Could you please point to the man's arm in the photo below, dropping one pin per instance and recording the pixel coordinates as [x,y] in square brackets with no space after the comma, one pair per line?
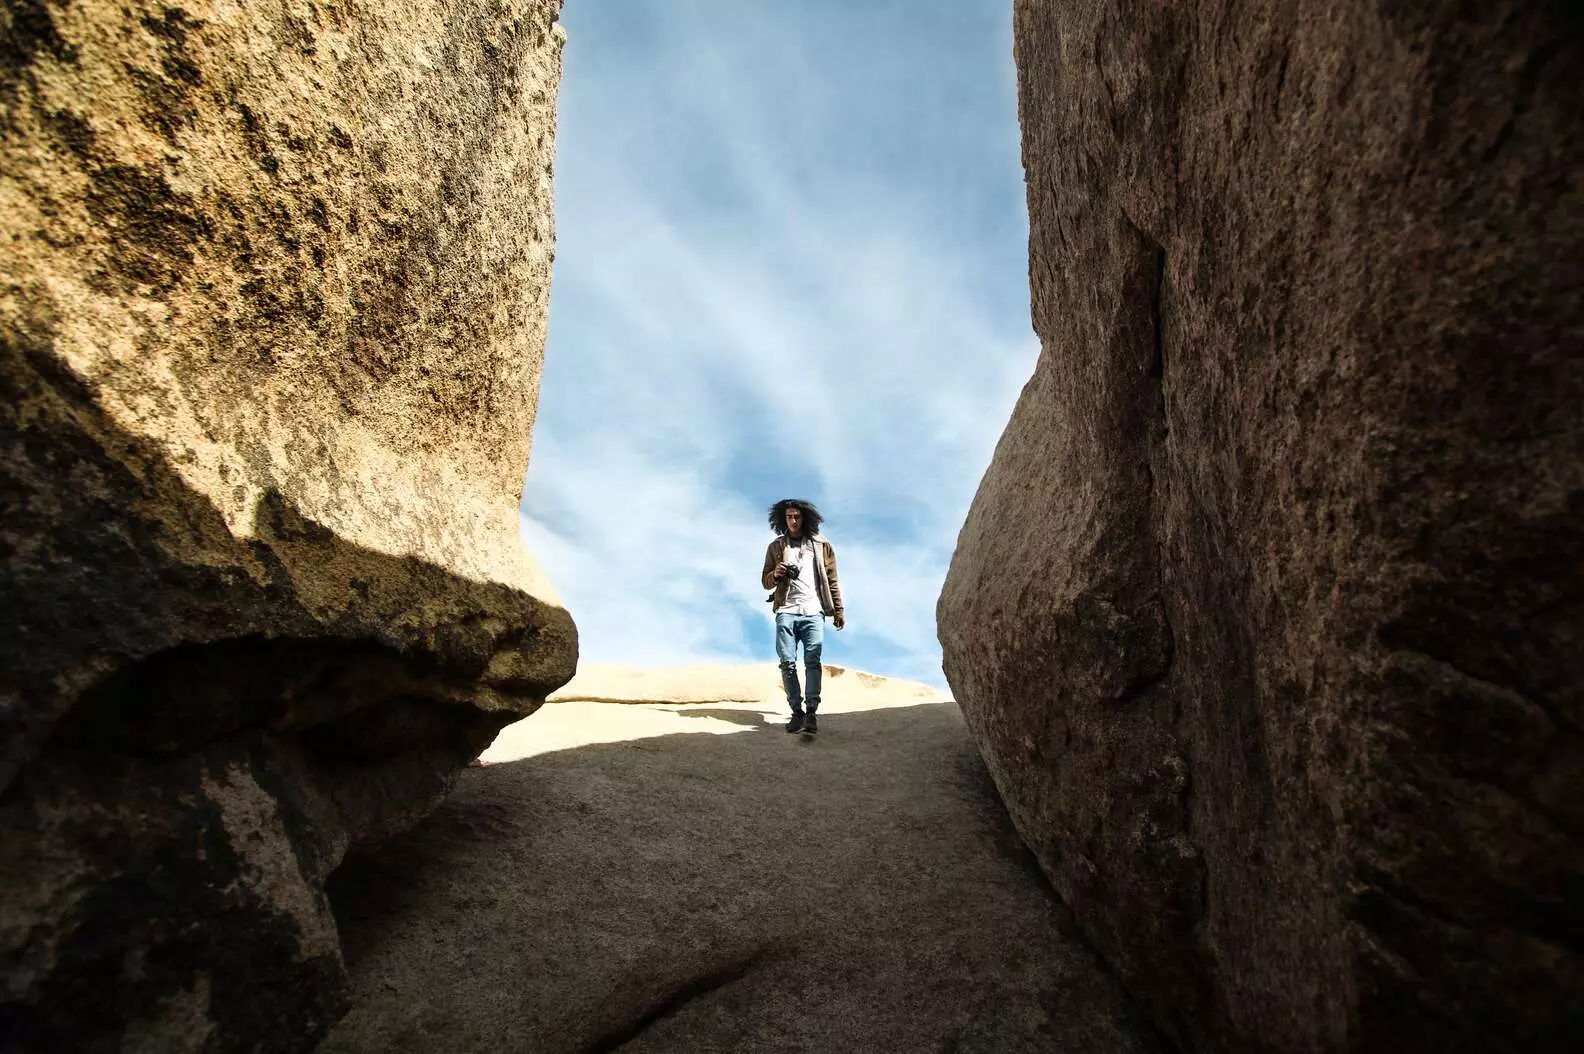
[767,578]
[835,586]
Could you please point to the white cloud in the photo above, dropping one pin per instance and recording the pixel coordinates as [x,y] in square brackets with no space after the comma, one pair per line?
[650,560]
[791,259]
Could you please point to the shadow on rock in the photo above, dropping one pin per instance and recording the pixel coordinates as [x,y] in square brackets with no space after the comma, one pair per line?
[746,718]
[198,726]
[722,892]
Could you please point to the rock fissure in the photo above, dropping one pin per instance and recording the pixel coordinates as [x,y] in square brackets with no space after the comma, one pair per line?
[1395,640]
[676,1000]
[1525,919]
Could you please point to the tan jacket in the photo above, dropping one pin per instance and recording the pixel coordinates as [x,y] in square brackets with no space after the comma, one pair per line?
[825,582]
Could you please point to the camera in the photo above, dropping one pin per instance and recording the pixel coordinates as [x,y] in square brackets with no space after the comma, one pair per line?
[791,571]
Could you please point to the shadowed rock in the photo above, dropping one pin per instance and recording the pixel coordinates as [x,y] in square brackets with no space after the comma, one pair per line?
[741,891]
[270,332]
[1267,614]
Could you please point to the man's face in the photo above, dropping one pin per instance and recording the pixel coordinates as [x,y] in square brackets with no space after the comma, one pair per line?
[794,518]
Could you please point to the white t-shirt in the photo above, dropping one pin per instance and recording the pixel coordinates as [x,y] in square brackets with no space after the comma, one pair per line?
[802,591]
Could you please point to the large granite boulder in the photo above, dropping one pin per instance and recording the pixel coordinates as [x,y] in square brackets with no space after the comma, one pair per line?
[271,323]
[1267,614]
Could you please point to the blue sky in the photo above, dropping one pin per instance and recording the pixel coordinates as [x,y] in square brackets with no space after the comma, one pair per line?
[791,262]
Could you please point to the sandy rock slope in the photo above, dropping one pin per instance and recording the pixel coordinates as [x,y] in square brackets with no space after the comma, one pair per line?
[713,884]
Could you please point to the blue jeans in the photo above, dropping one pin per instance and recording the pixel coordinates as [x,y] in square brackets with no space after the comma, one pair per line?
[809,630]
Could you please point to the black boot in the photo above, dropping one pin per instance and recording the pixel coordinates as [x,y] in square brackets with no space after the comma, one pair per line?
[796,724]
[810,724]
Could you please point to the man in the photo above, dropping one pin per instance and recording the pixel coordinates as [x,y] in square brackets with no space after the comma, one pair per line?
[800,570]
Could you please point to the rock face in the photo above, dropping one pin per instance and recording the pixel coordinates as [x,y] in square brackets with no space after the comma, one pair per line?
[1267,614]
[271,325]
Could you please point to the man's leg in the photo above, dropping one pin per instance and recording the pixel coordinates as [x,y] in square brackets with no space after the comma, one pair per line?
[786,653]
[811,631]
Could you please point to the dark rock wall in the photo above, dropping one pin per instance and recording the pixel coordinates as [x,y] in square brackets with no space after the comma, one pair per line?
[272,313]
[1267,614]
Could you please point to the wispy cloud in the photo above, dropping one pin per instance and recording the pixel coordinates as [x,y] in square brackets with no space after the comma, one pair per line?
[791,245]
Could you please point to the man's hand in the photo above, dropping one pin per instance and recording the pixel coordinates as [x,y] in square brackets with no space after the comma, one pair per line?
[780,572]
[841,621]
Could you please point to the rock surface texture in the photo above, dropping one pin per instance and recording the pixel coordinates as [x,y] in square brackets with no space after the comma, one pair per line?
[271,322]
[696,893]
[1267,614]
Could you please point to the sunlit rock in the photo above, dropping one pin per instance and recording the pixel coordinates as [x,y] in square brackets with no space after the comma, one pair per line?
[606,682]
[719,698]
[271,328]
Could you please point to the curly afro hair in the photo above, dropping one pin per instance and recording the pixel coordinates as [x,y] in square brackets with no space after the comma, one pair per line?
[811,516]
